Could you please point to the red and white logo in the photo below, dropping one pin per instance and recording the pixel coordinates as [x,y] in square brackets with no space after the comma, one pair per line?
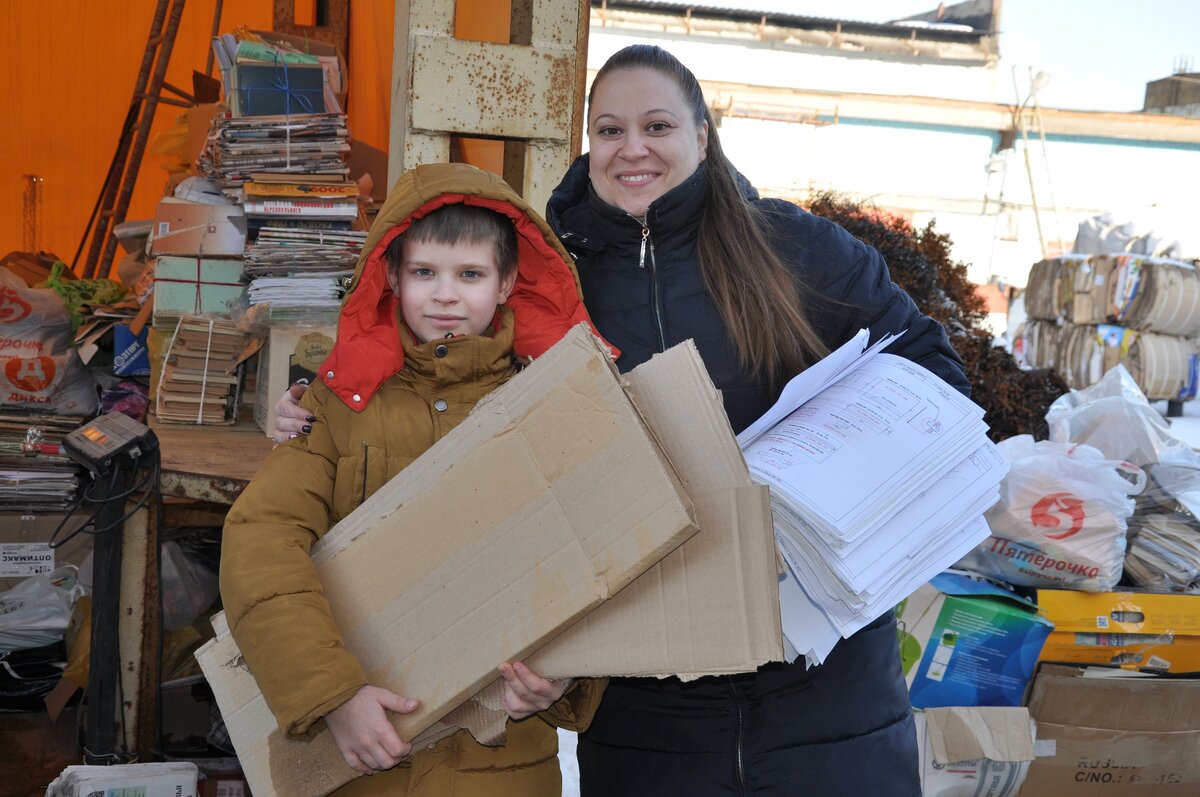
[1059,511]
[31,375]
[12,307]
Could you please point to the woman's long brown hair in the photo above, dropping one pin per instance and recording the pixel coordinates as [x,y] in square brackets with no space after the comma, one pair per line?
[758,298]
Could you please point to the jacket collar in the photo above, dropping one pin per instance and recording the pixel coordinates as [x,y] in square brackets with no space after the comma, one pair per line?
[449,361]
[585,222]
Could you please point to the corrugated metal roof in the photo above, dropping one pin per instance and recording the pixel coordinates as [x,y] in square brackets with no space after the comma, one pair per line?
[792,20]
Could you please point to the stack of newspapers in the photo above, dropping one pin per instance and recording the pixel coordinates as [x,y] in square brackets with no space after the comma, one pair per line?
[880,473]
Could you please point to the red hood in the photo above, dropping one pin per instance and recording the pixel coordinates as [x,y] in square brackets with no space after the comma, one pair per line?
[545,301]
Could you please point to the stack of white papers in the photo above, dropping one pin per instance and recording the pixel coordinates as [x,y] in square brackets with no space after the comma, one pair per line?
[880,474]
[316,290]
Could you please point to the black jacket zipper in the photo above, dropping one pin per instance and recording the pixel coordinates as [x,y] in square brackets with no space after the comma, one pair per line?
[739,763]
[655,295]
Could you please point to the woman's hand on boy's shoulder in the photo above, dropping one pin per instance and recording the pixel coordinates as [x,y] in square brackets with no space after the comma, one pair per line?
[363,733]
[291,420]
[526,693]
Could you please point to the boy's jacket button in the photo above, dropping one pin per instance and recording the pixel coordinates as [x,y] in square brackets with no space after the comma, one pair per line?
[440,405]
[440,350]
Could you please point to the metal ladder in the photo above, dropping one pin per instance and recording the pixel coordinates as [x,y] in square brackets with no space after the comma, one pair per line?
[113,201]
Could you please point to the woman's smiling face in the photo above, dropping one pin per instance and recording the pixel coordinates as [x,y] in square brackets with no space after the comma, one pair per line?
[642,137]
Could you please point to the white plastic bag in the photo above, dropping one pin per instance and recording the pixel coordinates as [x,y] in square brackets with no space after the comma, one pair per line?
[36,611]
[1114,416]
[1061,518]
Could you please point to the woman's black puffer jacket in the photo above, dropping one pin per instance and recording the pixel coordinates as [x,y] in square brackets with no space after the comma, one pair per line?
[843,728]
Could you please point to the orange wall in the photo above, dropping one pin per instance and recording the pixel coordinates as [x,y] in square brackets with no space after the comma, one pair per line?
[68,76]
[68,72]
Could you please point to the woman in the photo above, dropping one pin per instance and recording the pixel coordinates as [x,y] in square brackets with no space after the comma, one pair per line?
[672,243]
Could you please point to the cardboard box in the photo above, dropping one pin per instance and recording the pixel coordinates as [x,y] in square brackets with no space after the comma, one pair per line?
[571,498]
[25,544]
[290,353]
[197,229]
[965,642]
[1135,630]
[192,286]
[224,785]
[131,354]
[1114,736]
[972,750]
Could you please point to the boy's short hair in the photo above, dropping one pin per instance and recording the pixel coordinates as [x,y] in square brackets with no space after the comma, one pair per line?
[454,224]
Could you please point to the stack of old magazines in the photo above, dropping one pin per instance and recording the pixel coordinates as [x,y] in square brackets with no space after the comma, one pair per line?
[201,376]
[305,144]
[35,474]
[303,249]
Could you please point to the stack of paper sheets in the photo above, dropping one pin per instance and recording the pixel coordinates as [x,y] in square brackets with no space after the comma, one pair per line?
[318,290]
[880,474]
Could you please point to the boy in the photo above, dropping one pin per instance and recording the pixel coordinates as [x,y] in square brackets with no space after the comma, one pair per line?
[457,276]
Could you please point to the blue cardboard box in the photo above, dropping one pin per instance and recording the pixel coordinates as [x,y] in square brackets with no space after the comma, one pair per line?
[965,642]
[131,356]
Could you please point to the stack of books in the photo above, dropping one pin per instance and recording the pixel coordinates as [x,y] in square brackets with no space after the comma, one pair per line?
[880,474]
[201,375]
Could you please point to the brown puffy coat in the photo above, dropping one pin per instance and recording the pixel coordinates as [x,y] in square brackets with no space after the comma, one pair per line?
[272,597]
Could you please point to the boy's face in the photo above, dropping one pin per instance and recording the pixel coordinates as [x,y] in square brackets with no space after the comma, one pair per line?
[449,288]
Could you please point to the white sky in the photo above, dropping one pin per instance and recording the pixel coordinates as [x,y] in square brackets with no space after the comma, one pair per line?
[1100,53]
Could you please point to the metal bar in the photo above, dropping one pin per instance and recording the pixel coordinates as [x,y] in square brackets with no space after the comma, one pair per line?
[178,92]
[105,653]
[216,30]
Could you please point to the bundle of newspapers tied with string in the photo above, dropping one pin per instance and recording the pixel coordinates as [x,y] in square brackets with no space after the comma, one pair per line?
[283,112]
[307,144]
[880,473]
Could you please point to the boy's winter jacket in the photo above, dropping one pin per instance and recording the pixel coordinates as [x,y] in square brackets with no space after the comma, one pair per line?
[841,728]
[383,399]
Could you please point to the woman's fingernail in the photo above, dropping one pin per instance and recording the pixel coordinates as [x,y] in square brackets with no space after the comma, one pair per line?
[293,436]
[306,428]
[310,418]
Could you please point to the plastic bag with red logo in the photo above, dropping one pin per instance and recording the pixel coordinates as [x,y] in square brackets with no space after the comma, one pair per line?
[39,367]
[1061,518]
